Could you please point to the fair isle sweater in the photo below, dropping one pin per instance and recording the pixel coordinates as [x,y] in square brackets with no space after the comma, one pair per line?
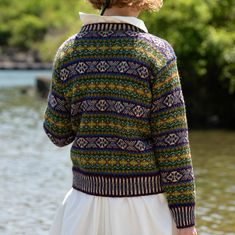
[116,95]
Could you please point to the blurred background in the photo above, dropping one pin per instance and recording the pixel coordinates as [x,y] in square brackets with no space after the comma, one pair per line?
[35,175]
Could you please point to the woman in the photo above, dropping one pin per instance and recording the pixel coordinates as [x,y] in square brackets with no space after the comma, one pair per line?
[116,96]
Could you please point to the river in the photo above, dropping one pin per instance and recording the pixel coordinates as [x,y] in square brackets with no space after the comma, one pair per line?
[13,78]
[35,174]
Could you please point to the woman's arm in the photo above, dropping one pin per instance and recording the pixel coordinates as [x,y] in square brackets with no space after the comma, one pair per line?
[57,118]
[171,144]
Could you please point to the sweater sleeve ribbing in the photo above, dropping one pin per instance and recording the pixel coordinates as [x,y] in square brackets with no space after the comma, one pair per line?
[57,118]
[169,130]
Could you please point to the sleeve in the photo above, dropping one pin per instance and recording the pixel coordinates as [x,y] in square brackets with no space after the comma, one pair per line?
[169,130]
[57,118]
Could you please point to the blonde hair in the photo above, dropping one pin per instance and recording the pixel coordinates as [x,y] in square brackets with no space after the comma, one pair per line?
[148,5]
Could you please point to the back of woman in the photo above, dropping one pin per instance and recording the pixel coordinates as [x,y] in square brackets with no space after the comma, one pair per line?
[116,96]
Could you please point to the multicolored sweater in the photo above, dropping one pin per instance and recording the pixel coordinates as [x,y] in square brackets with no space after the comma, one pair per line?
[116,96]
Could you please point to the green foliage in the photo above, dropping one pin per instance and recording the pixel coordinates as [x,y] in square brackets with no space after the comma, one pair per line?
[38,24]
[5,35]
[26,31]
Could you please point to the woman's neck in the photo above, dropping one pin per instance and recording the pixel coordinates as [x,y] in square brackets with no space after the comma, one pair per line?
[125,11]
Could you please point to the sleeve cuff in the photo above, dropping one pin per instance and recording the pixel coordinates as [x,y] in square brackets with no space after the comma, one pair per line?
[184,216]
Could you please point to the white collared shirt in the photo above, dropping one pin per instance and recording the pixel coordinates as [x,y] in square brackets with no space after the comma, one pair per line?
[95,18]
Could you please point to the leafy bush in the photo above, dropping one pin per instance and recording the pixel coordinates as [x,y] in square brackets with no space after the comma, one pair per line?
[26,31]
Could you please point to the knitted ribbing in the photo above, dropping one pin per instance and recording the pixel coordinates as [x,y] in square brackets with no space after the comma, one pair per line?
[116,96]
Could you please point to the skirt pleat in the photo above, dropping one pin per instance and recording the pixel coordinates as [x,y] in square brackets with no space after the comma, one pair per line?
[84,214]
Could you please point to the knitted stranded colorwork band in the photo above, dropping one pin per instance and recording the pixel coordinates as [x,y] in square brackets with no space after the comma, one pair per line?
[116,96]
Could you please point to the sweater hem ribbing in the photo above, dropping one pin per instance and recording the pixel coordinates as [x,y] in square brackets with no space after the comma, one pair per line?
[117,185]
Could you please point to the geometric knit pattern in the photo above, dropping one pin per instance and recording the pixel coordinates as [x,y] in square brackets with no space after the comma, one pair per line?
[116,97]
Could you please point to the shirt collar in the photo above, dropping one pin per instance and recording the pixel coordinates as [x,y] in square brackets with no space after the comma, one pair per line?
[95,18]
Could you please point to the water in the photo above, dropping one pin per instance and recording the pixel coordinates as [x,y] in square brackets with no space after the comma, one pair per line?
[36,175]
[12,78]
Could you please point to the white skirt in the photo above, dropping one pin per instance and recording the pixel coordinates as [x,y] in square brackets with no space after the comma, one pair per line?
[84,214]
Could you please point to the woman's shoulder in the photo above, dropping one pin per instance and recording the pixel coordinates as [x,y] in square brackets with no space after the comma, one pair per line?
[67,43]
[64,50]
[161,45]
